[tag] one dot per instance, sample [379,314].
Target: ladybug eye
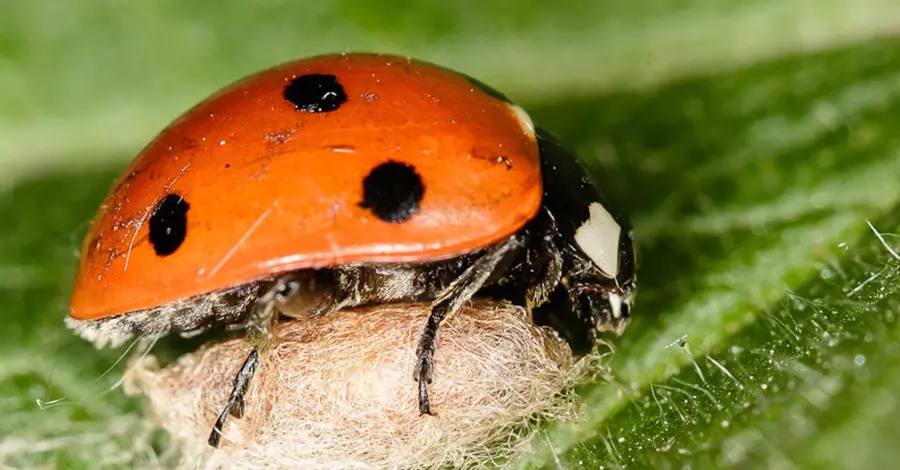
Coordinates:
[315,93]
[598,238]
[392,191]
[168,224]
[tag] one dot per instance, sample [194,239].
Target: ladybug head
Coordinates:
[602,303]
[596,242]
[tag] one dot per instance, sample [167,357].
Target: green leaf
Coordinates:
[764,334]
[750,160]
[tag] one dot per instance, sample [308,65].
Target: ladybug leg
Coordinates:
[259,330]
[548,260]
[236,401]
[448,303]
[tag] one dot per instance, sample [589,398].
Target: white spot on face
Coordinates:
[615,303]
[524,120]
[598,237]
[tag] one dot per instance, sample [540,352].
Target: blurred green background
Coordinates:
[750,140]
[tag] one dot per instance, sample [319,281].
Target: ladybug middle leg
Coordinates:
[259,326]
[449,301]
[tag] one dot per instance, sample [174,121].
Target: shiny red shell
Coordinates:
[272,188]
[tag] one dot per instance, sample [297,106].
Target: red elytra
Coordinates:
[271,187]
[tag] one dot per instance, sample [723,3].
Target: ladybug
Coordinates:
[344,180]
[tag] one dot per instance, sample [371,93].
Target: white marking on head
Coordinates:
[615,302]
[598,237]
[524,120]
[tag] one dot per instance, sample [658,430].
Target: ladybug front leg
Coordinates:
[449,302]
[259,330]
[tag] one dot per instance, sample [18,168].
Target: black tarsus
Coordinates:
[235,405]
[424,404]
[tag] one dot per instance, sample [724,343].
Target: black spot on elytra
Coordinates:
[392,191]
[315,93]
[168,224]
[488,90]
